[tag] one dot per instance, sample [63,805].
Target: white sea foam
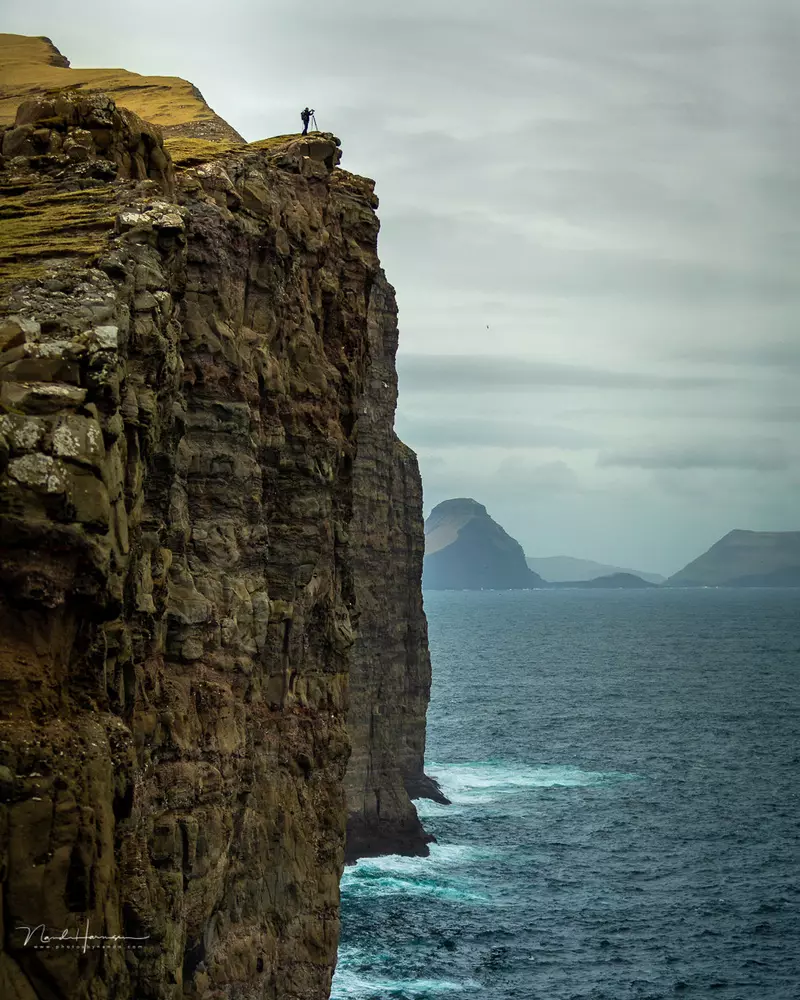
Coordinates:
[485,781]
[457,854]
[396,874]
[349,985]
[441,856]
[421,882]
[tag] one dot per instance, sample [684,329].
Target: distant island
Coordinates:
[614,581]
[745,559]
[466,550]
[567,569]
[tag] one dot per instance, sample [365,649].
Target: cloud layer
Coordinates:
[591,212]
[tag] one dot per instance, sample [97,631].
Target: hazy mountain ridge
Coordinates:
[613,581]
[465,549]
[567,569]
[745,559]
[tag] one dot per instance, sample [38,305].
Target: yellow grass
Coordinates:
[26,71]
[189,152]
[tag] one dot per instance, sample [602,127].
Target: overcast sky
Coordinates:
[590,210]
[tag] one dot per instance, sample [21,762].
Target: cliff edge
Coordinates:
[196,459]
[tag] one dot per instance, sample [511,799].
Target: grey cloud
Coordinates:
[441,432]
[515,479]
[522,477]
[612,185]
[450,373]
[701,410]
[764,456]
[476,250]
[782,355]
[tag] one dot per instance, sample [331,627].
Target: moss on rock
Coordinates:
[43,223]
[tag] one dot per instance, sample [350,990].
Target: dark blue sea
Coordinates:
[624,769]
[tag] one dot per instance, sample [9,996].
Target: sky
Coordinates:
[590,210]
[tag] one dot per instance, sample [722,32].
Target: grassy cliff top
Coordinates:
[53,204]
[187,151]
[33,66]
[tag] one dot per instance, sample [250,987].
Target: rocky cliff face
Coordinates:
[390,675]
[188,365]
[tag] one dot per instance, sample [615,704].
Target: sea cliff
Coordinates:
[210,553]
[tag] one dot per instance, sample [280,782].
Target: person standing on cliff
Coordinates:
[305,115]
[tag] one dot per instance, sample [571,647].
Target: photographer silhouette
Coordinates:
[306,115]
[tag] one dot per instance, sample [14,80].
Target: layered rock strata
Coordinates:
[185,518]
[390,674]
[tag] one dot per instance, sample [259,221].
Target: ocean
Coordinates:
[624,769]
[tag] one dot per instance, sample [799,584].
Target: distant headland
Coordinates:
[745,559]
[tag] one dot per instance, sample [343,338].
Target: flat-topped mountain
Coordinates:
[566,569]
[746,559]
[466,550]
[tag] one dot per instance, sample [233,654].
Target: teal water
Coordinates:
[623,769]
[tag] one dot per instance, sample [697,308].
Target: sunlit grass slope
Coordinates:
[32,66]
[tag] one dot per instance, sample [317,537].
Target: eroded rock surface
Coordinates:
[390,675]
[188,366]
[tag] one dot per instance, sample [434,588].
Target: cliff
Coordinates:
[745,558]
[466,550]
[390,674]
[193,469]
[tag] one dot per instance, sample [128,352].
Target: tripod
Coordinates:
[314,123]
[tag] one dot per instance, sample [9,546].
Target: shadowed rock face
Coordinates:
[186,514]
[390,676]
[466,550]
